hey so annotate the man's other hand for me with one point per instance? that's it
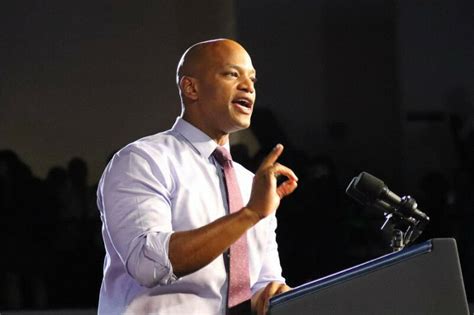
(261, 298)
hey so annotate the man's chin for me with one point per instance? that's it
(241, 126)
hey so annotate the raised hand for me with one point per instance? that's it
(266, 195)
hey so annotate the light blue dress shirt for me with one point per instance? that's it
(151, 188)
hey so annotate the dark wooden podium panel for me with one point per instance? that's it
(422, 279)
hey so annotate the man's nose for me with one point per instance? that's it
(247, 85)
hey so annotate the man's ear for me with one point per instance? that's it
(189, 87)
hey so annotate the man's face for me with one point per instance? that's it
(226, 92)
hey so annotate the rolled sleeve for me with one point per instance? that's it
(149, 263)
(137, 215)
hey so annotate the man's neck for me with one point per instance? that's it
(220, 138)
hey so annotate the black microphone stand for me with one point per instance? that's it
(406, 227)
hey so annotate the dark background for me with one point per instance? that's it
(385, 87)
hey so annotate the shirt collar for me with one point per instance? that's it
(199, 140)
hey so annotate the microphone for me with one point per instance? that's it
(371, 191)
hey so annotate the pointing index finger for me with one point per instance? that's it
(273, 156)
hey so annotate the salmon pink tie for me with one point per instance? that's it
(239, 276)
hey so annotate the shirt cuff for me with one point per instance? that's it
(157, 249)
(152, 266)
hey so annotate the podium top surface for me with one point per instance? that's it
(353, 272)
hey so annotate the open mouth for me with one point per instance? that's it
(243, 102)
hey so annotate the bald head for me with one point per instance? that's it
(199, 56)
(216, 84)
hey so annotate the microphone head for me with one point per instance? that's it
(365, 188)
(370, 185)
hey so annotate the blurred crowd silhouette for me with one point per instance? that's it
(50, 233)
(52, 253)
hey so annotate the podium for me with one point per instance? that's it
(422, 279)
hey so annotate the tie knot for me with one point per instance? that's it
(222, 155)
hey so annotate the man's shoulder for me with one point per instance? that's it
(163, 142)
(159, 148)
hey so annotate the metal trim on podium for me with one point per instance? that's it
(421, 279)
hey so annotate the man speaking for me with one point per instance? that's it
(186, 229)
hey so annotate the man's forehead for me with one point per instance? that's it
(227, 55)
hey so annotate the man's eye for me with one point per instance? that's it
(254, 80)
(232, 74)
